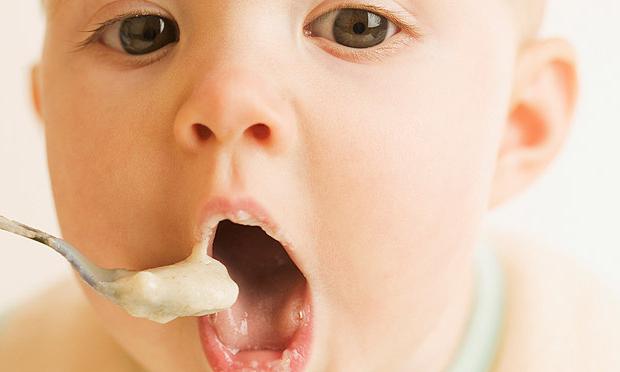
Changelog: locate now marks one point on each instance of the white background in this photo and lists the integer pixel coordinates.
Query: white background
(574, 206)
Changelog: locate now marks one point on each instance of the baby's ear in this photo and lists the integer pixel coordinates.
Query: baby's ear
(539, 117)
(35, 90)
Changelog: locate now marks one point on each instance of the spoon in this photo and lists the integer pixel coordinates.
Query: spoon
(196, 286)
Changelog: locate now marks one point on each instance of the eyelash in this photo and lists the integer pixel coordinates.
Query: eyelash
(385, 49)
(357, 55)
(95, 34)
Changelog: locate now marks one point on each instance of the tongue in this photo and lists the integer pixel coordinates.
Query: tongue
(268, 310)
(261, 322)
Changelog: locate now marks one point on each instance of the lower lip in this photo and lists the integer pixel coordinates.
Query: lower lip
(223, 359)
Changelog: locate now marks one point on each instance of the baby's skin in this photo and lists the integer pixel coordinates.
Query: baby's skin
(375, 138)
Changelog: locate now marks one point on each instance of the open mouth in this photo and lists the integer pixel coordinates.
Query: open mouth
(268, 328)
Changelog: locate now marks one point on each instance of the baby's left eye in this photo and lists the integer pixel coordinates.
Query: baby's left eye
(353, 28)
(139, 35)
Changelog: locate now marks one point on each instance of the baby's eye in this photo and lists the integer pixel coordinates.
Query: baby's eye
(354, 28)
(141, 34)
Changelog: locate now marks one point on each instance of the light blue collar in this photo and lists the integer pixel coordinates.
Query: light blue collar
(480, 342)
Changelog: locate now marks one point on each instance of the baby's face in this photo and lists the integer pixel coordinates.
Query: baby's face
(375, 160)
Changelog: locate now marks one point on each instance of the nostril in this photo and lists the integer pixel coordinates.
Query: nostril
(260, 131)
(202, 131)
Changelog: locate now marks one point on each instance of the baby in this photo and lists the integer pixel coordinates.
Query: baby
(369, 139)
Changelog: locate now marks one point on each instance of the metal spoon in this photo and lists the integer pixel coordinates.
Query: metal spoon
(91, 273)
(196, 286)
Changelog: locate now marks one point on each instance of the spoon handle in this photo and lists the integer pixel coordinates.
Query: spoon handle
(91, 273)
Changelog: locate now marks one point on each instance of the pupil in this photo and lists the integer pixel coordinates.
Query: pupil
(150, 34)
(359, 28)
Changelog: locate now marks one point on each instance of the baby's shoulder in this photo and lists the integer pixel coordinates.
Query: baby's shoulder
(57, 331)
(559, 316)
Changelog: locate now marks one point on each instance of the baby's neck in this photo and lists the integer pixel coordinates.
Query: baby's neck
(447, 323)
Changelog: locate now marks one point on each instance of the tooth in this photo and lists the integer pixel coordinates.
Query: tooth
(283, 364)
(243, 216)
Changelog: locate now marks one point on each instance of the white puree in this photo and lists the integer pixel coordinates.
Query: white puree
(196, 286)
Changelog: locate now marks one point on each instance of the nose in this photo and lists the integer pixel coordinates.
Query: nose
(232, 108)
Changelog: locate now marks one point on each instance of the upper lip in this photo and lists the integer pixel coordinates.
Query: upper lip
(244, 211)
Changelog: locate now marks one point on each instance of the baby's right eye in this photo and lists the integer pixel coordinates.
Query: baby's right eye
(142, 34)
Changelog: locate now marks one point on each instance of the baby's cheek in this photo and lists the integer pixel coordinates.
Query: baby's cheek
(112, 169)
(402, 186)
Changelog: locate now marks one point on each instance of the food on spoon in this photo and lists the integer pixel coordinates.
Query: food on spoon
(196, 286)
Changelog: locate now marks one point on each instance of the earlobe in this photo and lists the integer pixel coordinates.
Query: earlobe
(35, 91)
(539, 118)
